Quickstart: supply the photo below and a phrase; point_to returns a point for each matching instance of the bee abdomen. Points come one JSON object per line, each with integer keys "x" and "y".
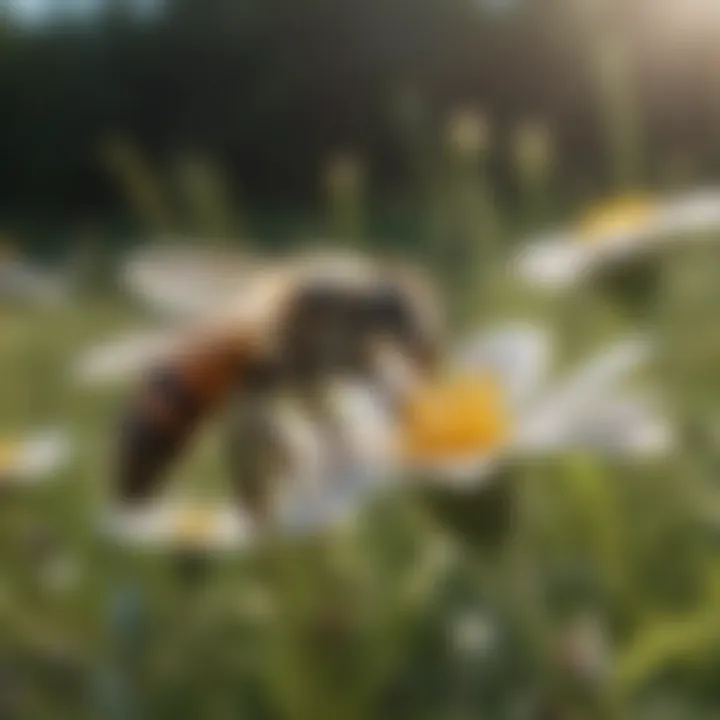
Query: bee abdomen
{"x": 154, "y": 432}
{"x": 162, "y": 420}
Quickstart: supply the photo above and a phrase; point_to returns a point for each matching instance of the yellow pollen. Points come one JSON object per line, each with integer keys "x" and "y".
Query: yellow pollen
{"x": 457, "y": 418}
{"x": 622, "y": 215}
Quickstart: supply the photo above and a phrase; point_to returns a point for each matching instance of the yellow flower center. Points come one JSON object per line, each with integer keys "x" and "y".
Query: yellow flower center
{"x": 455, "y": 419}
{"x": 194, "y": 525}
{"x": 616, "y": 217}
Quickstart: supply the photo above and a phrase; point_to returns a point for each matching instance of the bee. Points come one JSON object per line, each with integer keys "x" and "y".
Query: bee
{"x": 294, "y": 329}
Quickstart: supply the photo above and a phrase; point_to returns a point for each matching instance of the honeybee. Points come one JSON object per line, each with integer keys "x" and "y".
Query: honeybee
{"x": 298, "y": 329}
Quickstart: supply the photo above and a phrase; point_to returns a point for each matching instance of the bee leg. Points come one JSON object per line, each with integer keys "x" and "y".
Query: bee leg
{"x": 256, "y": 455}
{"x": 333, "y": 435}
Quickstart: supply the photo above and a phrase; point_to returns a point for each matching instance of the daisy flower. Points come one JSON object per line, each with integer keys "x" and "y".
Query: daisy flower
{"x": 614, "y": 233}
{"x": 182, "y": 526}
{"x": 505, "y": 405}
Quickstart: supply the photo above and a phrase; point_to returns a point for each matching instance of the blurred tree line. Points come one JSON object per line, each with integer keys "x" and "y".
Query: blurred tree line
{"x": 270, "y": 89}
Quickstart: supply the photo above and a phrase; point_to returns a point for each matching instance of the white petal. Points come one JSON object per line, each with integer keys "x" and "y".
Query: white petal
{"x": 630, "y": 427}
{"x": 610, "y": 367}
{"x": 555, "y": 262}
{"x": 519, "y": 355}
{"x": 365, "y": 423}
{"x": 553, "y": 419}
{"x": 335, "y": 465}
{"x": 333, "y": 498}
{"x": 358, "y": 439}
{"x": 302, "y": 442}
{"x": 183, "y": 281}
{"x": 125, "y": 358}
{"x": 694, "y": 212}
{"x": 332, "y": 471}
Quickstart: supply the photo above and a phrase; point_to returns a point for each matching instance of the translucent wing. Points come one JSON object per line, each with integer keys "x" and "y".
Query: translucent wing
{"x": 183, "y": 281}
{"x": 124, "y": 358}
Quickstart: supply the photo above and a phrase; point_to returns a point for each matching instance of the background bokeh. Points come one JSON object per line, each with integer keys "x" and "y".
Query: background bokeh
{"x": 446, "y": 130}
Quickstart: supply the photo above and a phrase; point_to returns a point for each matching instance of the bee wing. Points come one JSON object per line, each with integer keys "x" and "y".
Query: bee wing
{"x": 125, "y": 357}
{"x": 181, "y": 281}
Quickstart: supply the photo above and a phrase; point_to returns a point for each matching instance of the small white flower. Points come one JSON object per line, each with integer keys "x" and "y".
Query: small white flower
{"x": 33, "y": 460}
{"x": 187, "y": 526}
{"x": 613, "y": 232}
